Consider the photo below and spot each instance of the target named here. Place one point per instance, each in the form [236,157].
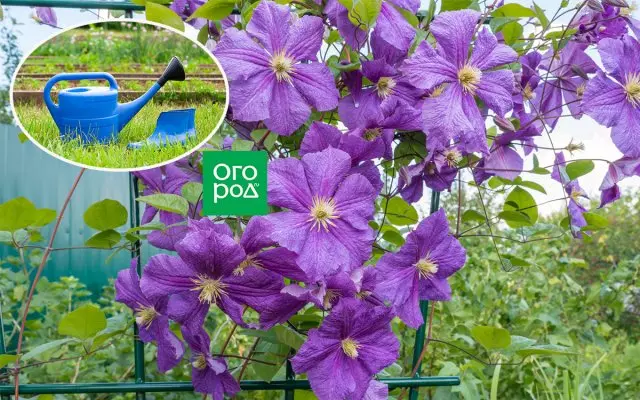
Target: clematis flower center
[426,267]
[322,212]
[363,294]
[469,77]
[575,194]
[145,316]
[372,134]
[528,93]
[247,262]
[438,90]
[282,65]
[350,347]
[580,90]
[452,157]
[211,290]
[385,86]
[632,89]
[329,297]
[200,362]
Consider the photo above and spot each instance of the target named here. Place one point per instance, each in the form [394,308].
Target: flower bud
[616,3]
[595,5]
[579,71]
[504,123]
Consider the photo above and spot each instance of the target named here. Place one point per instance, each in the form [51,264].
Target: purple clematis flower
[329,209]
[184,8]
[209,374]
[46,15]
[527,80]
[569,69]
[354,342]
[574,192]
[436,172]
[273,70]
[455,79]
[600,23]
[618,170]
[389,90]
[616,102]
[419,271]
[209,270]
[151,317]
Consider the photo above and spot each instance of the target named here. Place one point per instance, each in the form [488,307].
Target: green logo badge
[234,183]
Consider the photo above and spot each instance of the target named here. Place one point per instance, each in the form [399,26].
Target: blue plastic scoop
[175,126]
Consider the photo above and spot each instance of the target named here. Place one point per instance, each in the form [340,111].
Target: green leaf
[164,15]
[6,359]
[472,215]
[203,34]
[214,10]
[512,31]
[595,222]
[546,350]
[544,21]
[16,214]
[105,214]
[192,191]
[83,322]
[268,143]
[39,352]
[514,216]
[490,337]
[242,145]
[518,343]
[520,200]
[104,240]
[579,168]
[399,212]
[43,216]
[288,336]
[560,34]
[450,5]
[532,185]
[515,260]
[393,237]
[167,202]
[513,10]
[362,13]
[115,326]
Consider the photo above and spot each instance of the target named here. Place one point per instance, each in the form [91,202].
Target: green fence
[140,386]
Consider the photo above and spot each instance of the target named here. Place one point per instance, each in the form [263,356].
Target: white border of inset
[134,20]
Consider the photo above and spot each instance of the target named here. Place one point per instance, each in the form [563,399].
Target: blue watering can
[93,113]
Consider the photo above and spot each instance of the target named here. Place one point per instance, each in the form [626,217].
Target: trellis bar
[124,5]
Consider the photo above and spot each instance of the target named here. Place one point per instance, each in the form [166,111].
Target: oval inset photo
[119,95]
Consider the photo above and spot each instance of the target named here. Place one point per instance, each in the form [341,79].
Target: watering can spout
[173,72]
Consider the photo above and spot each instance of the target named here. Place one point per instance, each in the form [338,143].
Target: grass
[39,124]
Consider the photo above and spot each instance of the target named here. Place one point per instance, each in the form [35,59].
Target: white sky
[595,138]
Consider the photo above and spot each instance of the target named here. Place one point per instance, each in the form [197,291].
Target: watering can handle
[78,76]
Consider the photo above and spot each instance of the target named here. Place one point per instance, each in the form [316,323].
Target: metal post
[424,309]
[138,349]
[3,350]
[289,394]
[78,4]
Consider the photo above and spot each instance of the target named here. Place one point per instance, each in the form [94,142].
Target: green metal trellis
[140,386]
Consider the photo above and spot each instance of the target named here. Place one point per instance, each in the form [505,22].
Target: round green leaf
[164,15]
[214,10]
[44,216]
[399,212]
[106,214]
[521,201]
[491,337]
[104,240]
[579,168]
[83,322]
[167,202]
[16,214]
[192,191]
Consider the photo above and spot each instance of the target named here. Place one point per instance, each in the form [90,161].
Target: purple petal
[626,134]
[127,287]
[315,83]
[426,69]
[47,15]
[453,31]
[504,162]
[287,187]
[305,38]
[270,24]
[256,236]
[495,89]
[287,109]
[320,136]
[488,53]
[358,111]
[240,56]
[356,195]
[250,99]
[393,28]
[165,275]
[325,170]
[603,100]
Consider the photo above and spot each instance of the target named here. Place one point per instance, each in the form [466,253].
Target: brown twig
[32,290]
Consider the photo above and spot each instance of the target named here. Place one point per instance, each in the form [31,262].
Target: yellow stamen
[372,134]
[426,267]
[469,77]
[145,316]
[247,262]
[363,294]
[528,93]
[452,157]
[350,347]
[438,90]
[200,362]
[580,90]
[322,212]
[632,88]
[211,290]
[282,65]
[430,168]
[385,86]
[329,297]
[576,194]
